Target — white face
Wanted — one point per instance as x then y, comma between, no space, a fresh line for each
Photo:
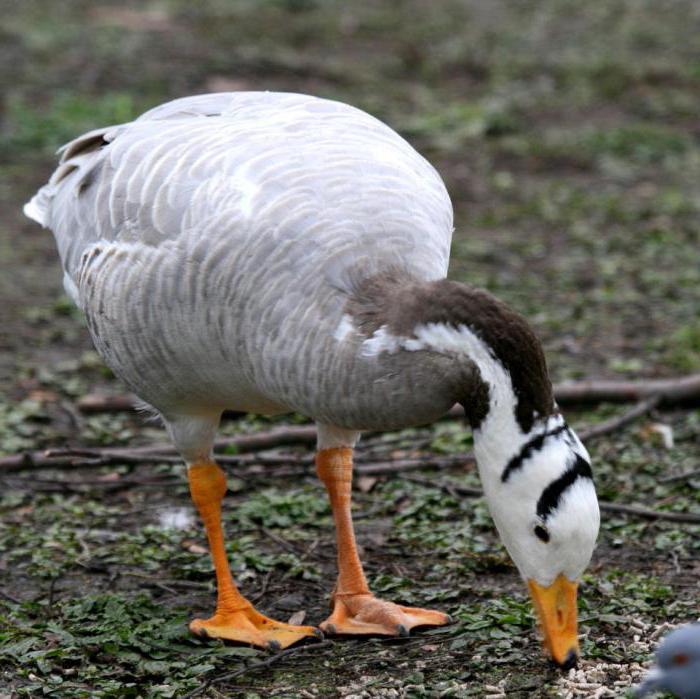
546,509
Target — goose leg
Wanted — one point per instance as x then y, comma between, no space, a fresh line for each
235,618
355,609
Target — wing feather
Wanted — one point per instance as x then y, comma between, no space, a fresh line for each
304,180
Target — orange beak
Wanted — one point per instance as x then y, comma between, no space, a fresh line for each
556,609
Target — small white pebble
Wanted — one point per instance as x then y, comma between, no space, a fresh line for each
177,518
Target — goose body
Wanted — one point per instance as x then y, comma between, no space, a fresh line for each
300,198
273,253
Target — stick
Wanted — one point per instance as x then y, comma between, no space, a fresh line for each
450,488
615,423
643,512
92,403
164,453
685,389
271,660
633,510
101,403
672,391
301,435
286,466
403,465
680,476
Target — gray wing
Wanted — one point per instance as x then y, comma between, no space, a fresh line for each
303,183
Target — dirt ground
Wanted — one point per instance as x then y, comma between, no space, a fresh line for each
568,136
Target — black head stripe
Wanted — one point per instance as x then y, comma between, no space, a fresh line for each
551,496
528,449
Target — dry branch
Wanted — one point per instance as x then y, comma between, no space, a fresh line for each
644,513
633,510
403,465
92,458
649,394
677,478
685,389
304,435
616,423
287,436
104,403
378,468
672,391
250,667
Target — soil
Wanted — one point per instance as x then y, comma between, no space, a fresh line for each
568,139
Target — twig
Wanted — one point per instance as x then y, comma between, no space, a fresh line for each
164,453
101,403
403,465
92,403
680,476
633,510
92,458
615,423
282,543
263,590
449,488
185,584
643,512
271,660
673,391
9,597
278,437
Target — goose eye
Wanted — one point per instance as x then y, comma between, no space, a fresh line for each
541,533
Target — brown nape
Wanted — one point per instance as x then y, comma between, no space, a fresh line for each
402,304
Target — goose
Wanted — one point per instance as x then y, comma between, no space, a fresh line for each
275,253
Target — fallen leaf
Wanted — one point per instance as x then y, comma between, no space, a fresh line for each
665,432
297,618
42,395
193,547
365,483
658,434
108,477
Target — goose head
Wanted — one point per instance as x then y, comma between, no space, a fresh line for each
545,508
535,471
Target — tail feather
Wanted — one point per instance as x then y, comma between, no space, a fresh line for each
37,207
75,154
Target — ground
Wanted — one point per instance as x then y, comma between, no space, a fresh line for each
568,137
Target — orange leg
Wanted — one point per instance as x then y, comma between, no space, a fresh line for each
235,618
355,609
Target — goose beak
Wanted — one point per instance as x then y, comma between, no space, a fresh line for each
556,609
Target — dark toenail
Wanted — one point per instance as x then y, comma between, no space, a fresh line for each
274,645
449,619
203,633
331,629
318,634
403,631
